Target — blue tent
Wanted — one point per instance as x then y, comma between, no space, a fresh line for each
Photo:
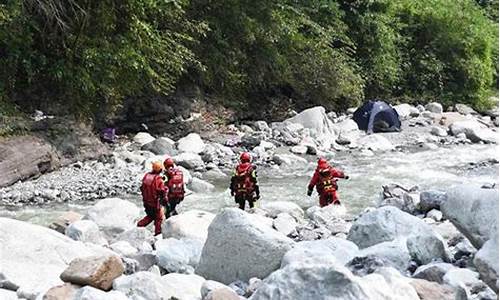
377,116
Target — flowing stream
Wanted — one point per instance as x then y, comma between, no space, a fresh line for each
433,169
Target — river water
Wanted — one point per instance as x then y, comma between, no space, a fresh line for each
433,169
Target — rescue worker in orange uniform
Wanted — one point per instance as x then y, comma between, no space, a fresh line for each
154,197
244,186
325,180
174,180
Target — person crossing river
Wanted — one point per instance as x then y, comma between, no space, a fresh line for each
154,197
174,180
244,186
325,180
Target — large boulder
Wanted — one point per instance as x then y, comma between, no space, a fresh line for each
32,257
426,248
329,280
434,107
428,290
473,211
90,293
86,231
234,246
390,254
465,126
183,286
486,262
332,248
96,271
191,143
113,215
160,146
189,160
386,224
178,256
430,200
274,208
375,142
25,157
285,224
485,135
192,224
314,118
406,111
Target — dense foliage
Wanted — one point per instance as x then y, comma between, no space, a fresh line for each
86,56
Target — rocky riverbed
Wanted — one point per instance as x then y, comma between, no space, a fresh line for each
416,220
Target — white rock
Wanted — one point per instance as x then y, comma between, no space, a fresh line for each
189,160
457,277
290,160
331,249
427,248
191,143
178,256
267,145
274,208
142,286
405,110
143,138
139,237
182,286
434,107
285,224
386,224
486,262
211,285
113,215
439,131
394,254
32,257
7,295
314,118
486,135
299,149
435,214
305,281
473,211
201,186
375,142
242,236
459,127
90,293
123,248
85,231
192,224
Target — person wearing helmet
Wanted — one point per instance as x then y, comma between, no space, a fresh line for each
244,186
324,179
174,180
154,196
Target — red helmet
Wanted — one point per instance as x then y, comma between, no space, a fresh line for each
245,157
322,163
168,163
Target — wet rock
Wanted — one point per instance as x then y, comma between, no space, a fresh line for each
433,271
113,215
201,186
386,224
191,143
303,281
431,200
231,229
274,208
427,290
331,249
21,261
160,146
285,224
486,262
142,138
60,292
96,271
178,256
90,293
473,211
62,222
192,224
434,107
189,160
